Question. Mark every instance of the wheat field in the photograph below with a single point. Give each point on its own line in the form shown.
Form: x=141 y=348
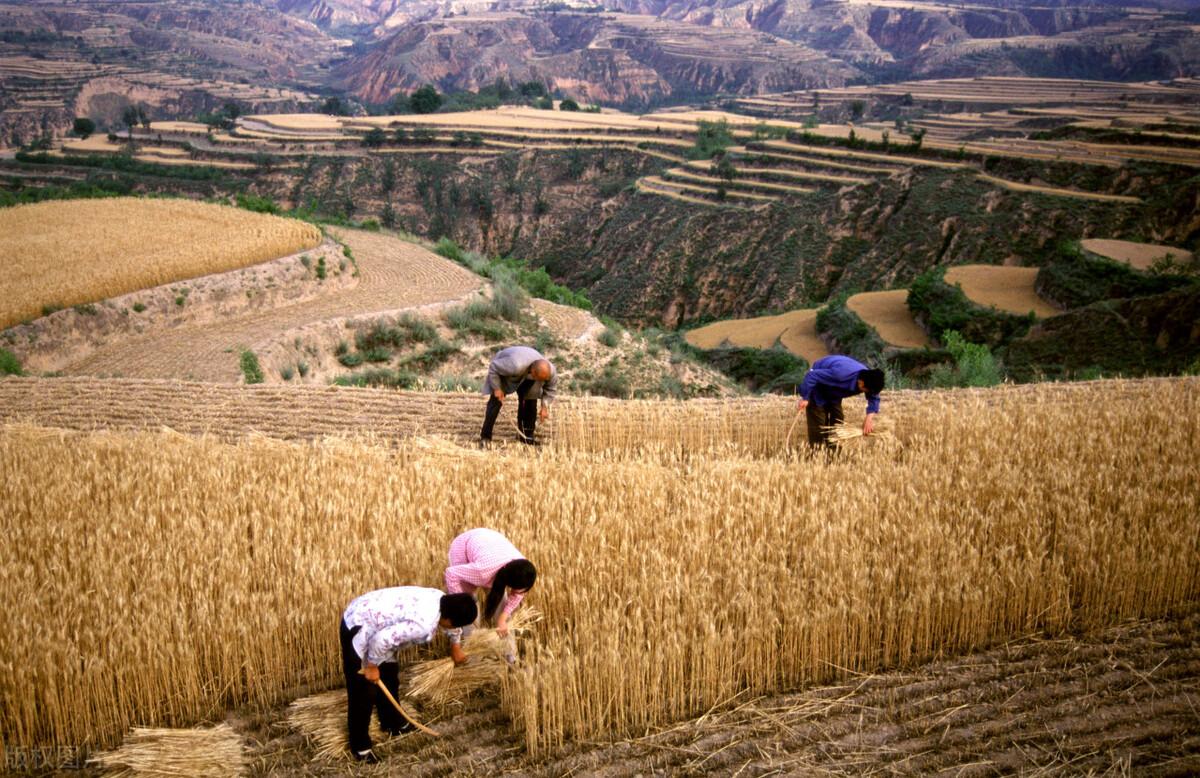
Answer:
x=64 y=253
x=685 y=555
x=1011 y=289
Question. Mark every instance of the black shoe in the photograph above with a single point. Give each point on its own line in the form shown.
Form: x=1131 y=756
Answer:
x=400 y=729
x=366 y=757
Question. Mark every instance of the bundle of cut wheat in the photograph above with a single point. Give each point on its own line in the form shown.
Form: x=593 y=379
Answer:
x=841 y=433
x=213 y=751
x=321 y=718
x=440 y=682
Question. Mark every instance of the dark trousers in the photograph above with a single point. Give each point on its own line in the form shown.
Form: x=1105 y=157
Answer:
x=819 y=417
x=526 y=413
x=362 y=696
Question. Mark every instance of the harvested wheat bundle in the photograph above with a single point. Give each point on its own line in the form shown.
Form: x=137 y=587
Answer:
x=212 y=751
x=440 y=682
x=841 y=433
x=321 y=718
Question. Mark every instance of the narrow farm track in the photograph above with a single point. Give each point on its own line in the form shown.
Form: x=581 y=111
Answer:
x=1122 y=701
x=394 y=275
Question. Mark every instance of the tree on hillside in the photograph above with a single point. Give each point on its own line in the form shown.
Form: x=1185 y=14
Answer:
x=856 y=109
x=84 y=126
x=334 y=106
x=532 y=89
x=132 y=116
x=568 y=105
x=374 y=138
x=724 y=168
x=425 y=100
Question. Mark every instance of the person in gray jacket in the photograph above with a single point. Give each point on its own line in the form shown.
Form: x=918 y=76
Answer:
x=525 y=371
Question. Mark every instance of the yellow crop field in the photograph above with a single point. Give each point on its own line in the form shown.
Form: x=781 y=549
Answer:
x=687 y=558
x=757 y=332
x=1139 y=255
x=62 y=253
x=1017 y=186
x=888 y=313
x=93 y=143
x=1007 y=288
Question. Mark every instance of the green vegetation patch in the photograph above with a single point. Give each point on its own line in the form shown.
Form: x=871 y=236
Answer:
x=1075 y=278
x=937 y=306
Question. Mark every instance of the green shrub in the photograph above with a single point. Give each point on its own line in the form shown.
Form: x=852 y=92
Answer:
x=50 y=309
x=256 y=203
x=1073 y=279
x=394 y=379
x=408 y=329
x=974 y=364
x=86 y=309
x=9 y=364
x=712 y=138
x=771 y=370
x=287 y=373
x=138 y=307
x=251 y=370
x=456 y=383
x=608 y=384
x=321 y=271
x=477 y=318
x=610 y=337
x=377 y=354
x=433 y=356
x=351 y=359
x=938 y=307
x=853 y=336
x=302 y=368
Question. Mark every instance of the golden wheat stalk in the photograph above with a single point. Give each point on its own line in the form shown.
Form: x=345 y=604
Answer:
x=212 y=751
x=842 y=433
x=440 y=682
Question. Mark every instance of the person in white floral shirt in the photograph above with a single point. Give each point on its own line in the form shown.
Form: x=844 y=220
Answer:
x=374 y=627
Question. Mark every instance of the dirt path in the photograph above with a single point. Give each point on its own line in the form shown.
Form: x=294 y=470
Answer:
x=394 y=275
x=1124 y=701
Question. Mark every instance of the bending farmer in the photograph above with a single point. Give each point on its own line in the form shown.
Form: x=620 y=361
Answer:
x=525 y=371
x=485 y=558
x=830 y=380
x=374 y=627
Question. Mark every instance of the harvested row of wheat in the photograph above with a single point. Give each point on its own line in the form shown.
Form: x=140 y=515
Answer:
x=209 y=751
x=64 y=253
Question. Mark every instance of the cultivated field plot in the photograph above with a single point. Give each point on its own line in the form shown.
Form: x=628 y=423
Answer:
x=1010 y=289
x=961 y=531
x=888 y=313
x=394 y=275
x=989 y=116
x=1139 y=255
x=795 y=330
x=62 y=253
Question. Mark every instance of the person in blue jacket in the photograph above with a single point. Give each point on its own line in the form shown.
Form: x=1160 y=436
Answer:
x=829 y=381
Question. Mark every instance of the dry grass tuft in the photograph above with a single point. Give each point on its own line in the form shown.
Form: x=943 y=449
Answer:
x=212 y=751
x=440 y=683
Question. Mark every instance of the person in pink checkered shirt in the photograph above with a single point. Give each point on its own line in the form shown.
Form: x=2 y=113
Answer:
x=484 y=558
